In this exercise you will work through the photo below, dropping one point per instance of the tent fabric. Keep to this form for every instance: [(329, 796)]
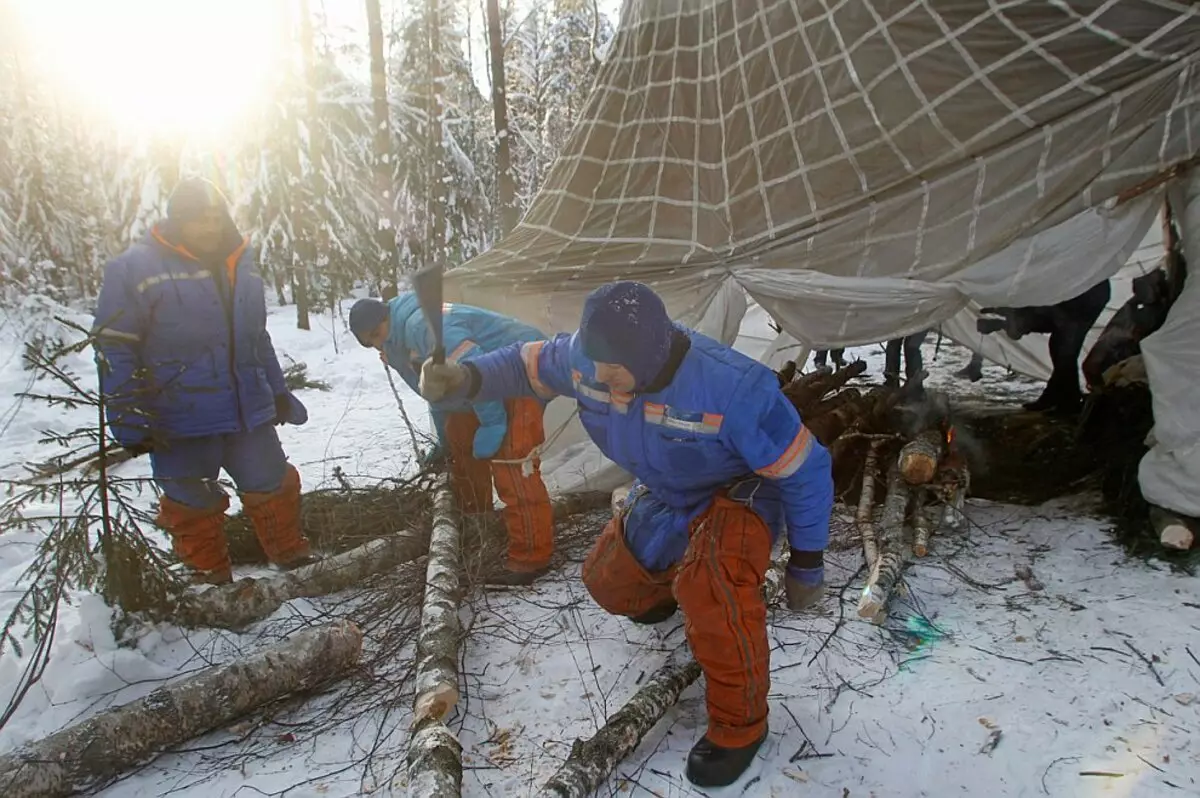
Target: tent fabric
[(1169, 474), (859, 168), (818, 152)]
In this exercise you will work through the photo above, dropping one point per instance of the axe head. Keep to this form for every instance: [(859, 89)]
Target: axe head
[(427, 285)]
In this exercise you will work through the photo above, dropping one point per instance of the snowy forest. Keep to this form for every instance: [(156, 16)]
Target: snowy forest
[(434, 123)]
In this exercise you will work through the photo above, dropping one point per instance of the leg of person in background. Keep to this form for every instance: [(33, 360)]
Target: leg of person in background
[(528, 515), (269, 487), (820, 357), (470, 479), (192, 507), (891, 362), (839, 357), (1071, 322), (973, 371), (719, 588), (913, 361)]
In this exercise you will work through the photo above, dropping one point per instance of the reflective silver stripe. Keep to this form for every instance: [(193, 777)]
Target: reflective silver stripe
[(792, 458), (592, 393), (117, 335), (150, 282)]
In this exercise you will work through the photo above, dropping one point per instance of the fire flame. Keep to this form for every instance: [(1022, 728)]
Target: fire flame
[(950, 436)]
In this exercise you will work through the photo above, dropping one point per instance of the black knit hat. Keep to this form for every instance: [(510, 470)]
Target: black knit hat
[(192, 197)]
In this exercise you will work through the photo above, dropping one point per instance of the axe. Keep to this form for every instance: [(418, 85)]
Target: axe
[(427, 285)]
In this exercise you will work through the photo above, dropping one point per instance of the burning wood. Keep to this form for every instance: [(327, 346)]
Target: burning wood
[(953, 482), (926, 478)]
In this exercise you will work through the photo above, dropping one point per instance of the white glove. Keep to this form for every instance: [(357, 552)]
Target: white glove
[(442, 380)]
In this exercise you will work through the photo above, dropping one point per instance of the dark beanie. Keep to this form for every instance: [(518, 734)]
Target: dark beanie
[(192, 197), (627, 324), (366, 315)]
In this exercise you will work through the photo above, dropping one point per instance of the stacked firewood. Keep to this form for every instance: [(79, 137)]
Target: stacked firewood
[(895, 447)]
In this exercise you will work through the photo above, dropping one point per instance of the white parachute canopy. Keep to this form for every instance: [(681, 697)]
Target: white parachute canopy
[(862, 169)]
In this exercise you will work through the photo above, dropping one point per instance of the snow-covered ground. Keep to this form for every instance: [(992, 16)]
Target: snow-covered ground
[(977, 685)]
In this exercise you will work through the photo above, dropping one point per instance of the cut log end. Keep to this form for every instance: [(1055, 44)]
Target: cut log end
[(919, 457), (435, 704)]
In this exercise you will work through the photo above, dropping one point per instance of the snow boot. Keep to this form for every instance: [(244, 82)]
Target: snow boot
[(276, 520), (710, 765), (973, 371), (198, 538), (509, 578), (657, 614)]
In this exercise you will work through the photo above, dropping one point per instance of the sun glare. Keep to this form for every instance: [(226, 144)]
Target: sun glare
[(177, 68)]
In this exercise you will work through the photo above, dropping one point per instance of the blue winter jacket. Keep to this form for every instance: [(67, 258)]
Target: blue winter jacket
[(466, 331), (179, 356), (721, 423)]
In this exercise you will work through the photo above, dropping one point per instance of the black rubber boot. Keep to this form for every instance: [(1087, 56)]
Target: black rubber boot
[(710, 765), (973, 371), (508, 578), (657, 615)]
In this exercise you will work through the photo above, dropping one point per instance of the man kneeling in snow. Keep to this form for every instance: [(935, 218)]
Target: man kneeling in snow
[(723, 463), (191, 377), (485, 441)]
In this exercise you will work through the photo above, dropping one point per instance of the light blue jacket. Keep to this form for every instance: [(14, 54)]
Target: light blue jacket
[(467, 332)]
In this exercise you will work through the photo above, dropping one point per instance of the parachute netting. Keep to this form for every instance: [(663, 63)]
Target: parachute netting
[(861, 168)]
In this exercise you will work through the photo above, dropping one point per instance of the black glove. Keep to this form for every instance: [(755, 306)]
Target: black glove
[(283, 409)]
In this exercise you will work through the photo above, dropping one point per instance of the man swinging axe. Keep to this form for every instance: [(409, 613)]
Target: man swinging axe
[(722, 462)]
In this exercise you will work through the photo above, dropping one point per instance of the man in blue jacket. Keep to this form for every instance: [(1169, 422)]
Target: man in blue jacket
[(723, 463), (190, 376), (485, 441)]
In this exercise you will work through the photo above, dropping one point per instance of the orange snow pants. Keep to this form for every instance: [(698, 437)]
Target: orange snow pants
[(528, 516), (719, 588)]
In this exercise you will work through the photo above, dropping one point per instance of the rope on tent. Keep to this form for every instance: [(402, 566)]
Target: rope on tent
[(526, 462)]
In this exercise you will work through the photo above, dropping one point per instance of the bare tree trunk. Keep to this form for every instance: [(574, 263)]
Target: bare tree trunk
[(91, 753), (303, 251), (506, 187), (435, 196), (386, 229), (243, 602), (316, 149), (434, 754)]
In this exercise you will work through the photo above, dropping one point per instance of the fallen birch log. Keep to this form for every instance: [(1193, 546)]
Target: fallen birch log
[(245, 601), (922, 524), (434, 754), (592, 761), (919, 457), (92, 753), (865, 516), (885, 573)]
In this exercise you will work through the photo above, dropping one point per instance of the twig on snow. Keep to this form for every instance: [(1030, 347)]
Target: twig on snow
[(1149, 663), (841, 621), (1046, 772)]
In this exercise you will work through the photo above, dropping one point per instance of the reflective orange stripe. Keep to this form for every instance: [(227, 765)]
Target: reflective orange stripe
[(793, 457), (460, 350), (530, 353)]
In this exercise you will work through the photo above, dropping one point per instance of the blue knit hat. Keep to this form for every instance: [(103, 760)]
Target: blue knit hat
[(365, 316), (627, 324)]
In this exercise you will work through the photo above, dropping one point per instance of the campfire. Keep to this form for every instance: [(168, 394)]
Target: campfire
[(899, 449)]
